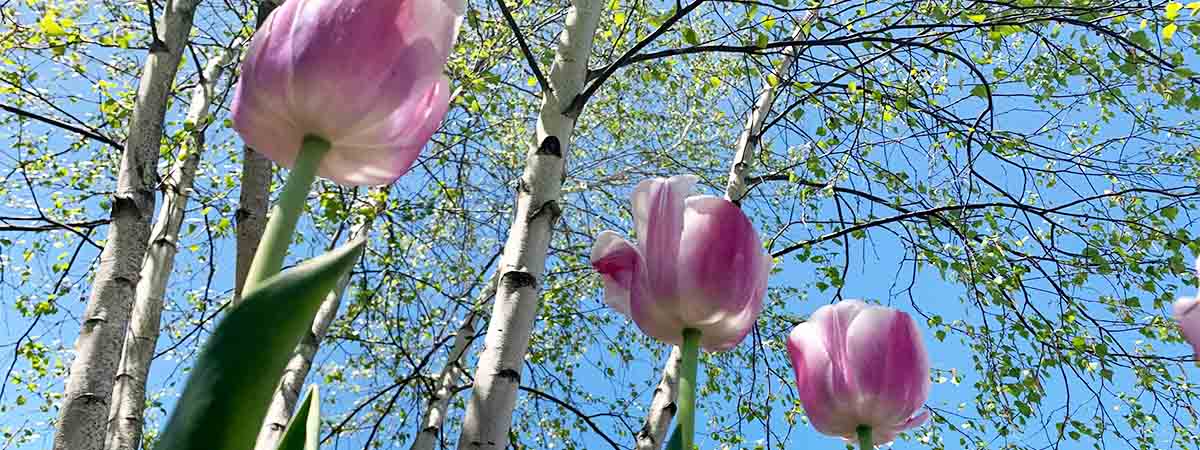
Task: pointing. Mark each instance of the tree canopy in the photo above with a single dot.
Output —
(1018, 175)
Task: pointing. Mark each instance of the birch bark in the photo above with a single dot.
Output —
(435, 412)
(129, 392)
(498, 371)
(84, 411)
(251, 215)
(283, 403)
(662, 405)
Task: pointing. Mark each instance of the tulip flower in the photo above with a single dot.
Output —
(363, 75)
(349, 90)
(697, 276)
(1188, 315)
(862, 371)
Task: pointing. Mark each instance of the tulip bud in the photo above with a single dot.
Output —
(1187, 314)
(860, 365)
(698, 264)
(364, 75)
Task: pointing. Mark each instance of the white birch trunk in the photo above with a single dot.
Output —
(498, 371)
(251, 215)
(435, 412)
(662, 405)
(84, 412)
(129, 392)
(283, 402)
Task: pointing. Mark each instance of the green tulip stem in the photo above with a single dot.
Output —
(864, 438)
(268, 260)
(687, 386)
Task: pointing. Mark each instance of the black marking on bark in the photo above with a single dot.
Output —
(671, 408)
(549, 207)
(124, 204)
(241, 215)
(510, 375)
(516, 279)
(550, 146)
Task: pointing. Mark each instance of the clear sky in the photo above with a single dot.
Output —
(880, 271)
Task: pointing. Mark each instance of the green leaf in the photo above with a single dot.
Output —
(302, 432)
(980, 91)
(977, 18)
(229, 389)
(689, 36)
(1170, 212)
(50, 24)
(676, 440)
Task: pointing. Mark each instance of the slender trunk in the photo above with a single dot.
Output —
(83, 417)
(129, 392)
(283, 403)
(498, 371)
(251, 214)
(435, 411)
(662, 406)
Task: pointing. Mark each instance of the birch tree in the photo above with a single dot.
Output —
(84, 412)
(129, 392)
(283, 403)
(1018, 177)
(254, 196)
(498, 372)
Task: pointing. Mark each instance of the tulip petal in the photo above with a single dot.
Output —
(719, 259)
(619, 262)
(834, 321)
(884, 435)
(1187, 314)
(729, 333)
(365, 75)
(658, 207)
(380, 154)
(353, 60)
(885, 352)
(813, 368)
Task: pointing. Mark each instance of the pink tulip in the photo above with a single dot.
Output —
(698, 264)
(1188, 316)
(859, 364)
(365, 75)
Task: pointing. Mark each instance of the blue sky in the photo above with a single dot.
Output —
(878, 273)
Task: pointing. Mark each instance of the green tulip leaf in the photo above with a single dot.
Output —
(230, 387)
(302, 430)
(676, 440)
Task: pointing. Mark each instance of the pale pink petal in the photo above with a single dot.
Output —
(883, 436)
(619, 263)
(719, 257)
(834, 321)
(729, 333)
(1187, 314)
(381, 154)
(812, 367)
(365, 75)
(885, 351)
(658, 206)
